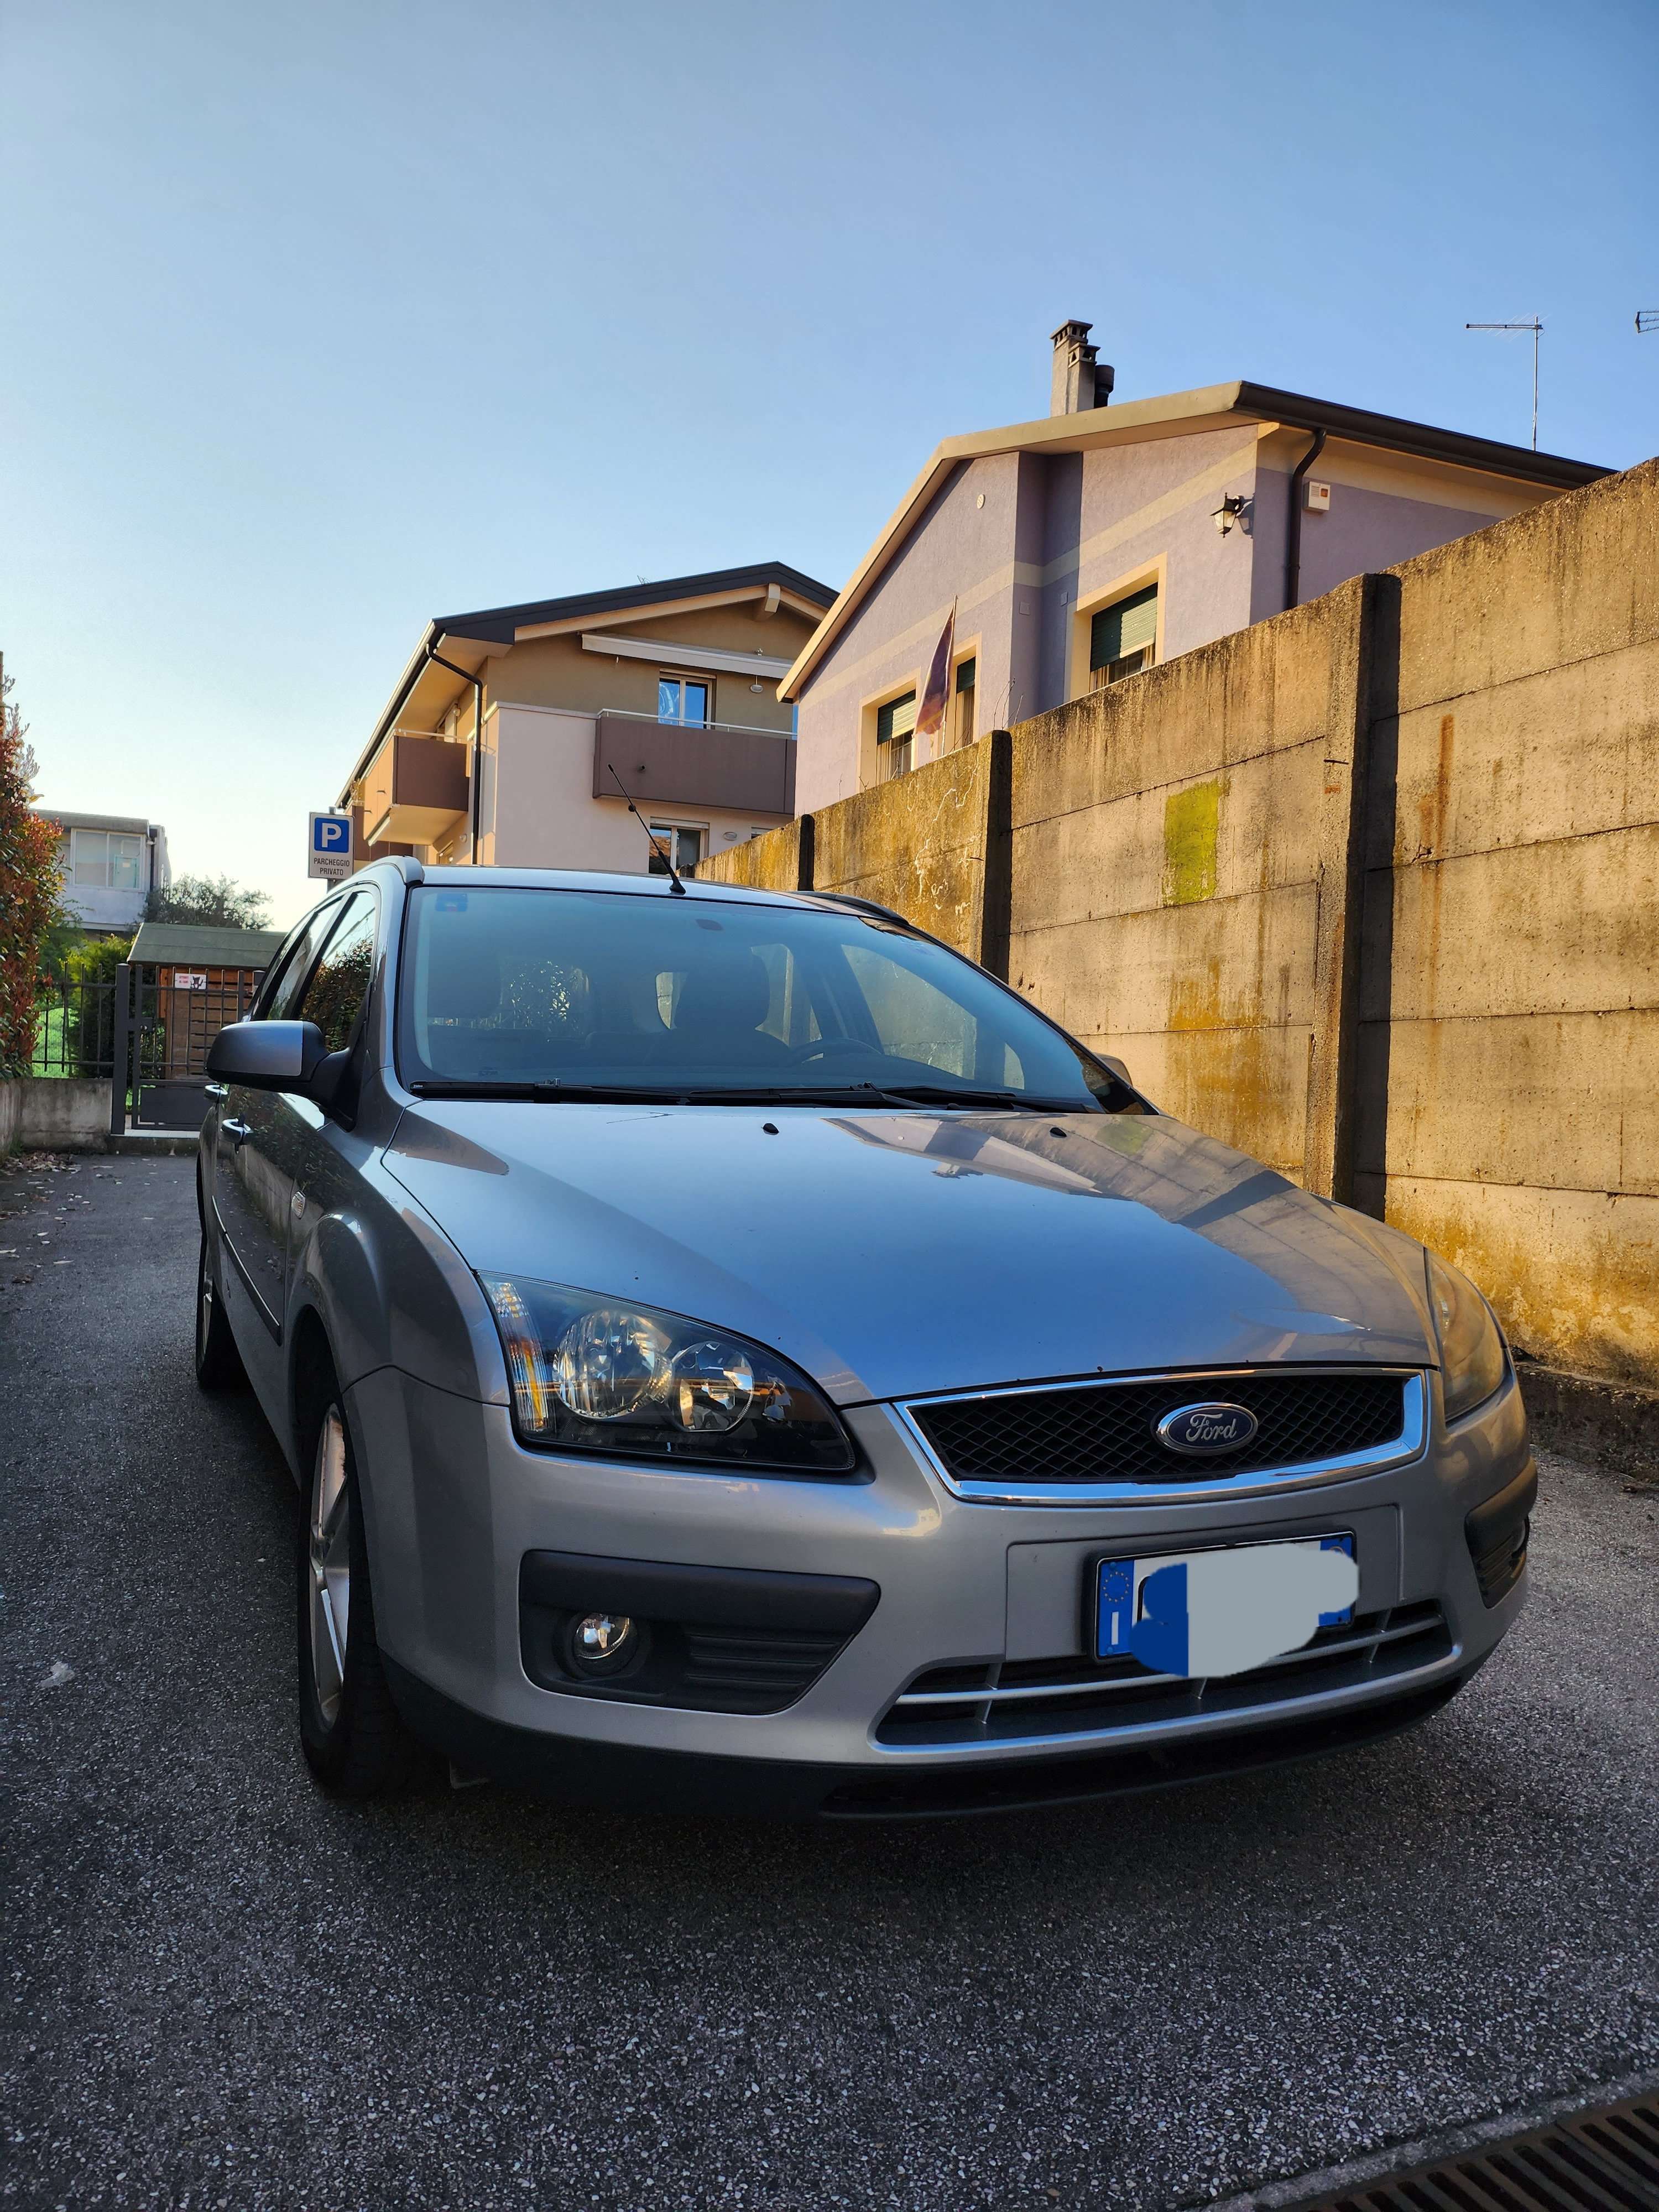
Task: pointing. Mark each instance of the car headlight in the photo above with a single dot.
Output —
(1472, 1356)
(593, 1374)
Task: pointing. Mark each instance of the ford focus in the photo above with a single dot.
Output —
(736, 1353)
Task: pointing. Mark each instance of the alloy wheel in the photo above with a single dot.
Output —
(329, 1548)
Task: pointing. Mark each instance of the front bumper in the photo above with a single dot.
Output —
(454, 1504)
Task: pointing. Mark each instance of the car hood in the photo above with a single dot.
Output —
(892, 1253)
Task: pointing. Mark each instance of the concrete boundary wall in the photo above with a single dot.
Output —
(60, 1114)
(1369, 891)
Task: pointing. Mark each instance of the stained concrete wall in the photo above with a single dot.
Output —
(1508, 1015)
(67, 1113)
(1169, 838)
(1369, 891)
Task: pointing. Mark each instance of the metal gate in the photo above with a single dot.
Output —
(162, 1032)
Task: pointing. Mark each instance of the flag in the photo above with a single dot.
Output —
(936, 698)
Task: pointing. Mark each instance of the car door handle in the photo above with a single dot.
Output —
(237, 1132)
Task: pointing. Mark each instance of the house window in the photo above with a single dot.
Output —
(104, 859)
(896, 725)
(683, 845)
(961, 703)
(683, 698)
(1121, 638)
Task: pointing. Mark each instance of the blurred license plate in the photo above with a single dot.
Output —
(1223, 1610)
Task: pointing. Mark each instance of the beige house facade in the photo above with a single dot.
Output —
(514, 731)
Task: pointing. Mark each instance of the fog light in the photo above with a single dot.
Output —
(601, 1644)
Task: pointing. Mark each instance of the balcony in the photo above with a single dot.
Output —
(718, 764)
(415, 790)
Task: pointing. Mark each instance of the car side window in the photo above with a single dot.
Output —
(334, 994)
(279, 1003)
(280, 970)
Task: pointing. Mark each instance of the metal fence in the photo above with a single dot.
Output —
(148, 1034)
(75, 1030)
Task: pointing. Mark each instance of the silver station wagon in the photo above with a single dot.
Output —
(735, 1354)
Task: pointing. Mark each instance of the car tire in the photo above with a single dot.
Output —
(354, 1738)
(218, 1363)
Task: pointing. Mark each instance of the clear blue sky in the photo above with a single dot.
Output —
(322, 318)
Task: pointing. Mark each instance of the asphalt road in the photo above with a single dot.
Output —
(223, 1990)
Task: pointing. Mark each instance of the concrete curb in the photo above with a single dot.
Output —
(1615, 1424)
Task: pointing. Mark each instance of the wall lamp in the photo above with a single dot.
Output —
(1233, 506)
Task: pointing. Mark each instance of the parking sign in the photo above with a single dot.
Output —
(330, 846)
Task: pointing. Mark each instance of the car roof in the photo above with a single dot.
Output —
(610, 882)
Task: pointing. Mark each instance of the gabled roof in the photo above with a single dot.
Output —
(193, 944)
(1175, 414)
(500, 626)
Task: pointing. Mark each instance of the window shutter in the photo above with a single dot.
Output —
(966, 670)
(1124, 628)
(897, 718)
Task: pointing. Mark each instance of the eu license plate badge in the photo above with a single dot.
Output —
(1224, 1610)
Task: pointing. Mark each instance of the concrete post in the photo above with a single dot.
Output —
(996, 886)
(1333, 1074)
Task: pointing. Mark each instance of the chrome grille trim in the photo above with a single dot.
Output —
(1184, 1484)
(910, 1698)
(967, 1722)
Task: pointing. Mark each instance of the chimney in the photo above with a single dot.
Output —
(1080, 382)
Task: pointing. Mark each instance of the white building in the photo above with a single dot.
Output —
(112, 862)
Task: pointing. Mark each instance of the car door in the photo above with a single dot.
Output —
(252, 1181)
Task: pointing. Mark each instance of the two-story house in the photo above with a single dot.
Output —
(667, 692)
(1078, 550)
(111, 863)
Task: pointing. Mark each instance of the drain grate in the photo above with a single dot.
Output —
(1605, 2162)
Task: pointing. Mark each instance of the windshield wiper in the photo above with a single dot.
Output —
(879, 1094)
(947, 1094)
(553, 1091)
(549, 1093)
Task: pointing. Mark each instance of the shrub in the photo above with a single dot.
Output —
(31, 881)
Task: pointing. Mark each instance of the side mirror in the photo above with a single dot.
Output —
(268, 1055)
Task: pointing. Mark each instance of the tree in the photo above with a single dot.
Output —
(31, 884)
(209, 901)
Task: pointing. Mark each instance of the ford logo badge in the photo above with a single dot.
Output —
(1197, 1431)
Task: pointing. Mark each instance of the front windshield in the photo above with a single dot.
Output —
(516, 990)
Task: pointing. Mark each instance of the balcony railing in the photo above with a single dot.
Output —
(728, 765)
(415, 789)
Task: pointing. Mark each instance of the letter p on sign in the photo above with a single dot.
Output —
(330, 850)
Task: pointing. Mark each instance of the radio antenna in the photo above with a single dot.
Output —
(676, 886)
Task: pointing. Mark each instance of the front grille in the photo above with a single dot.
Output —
(751, 1670)
(1101, 1432)
(1012, 1701)
(1120, 1768)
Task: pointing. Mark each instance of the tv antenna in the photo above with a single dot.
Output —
(1533, 324)
(1647, 319)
